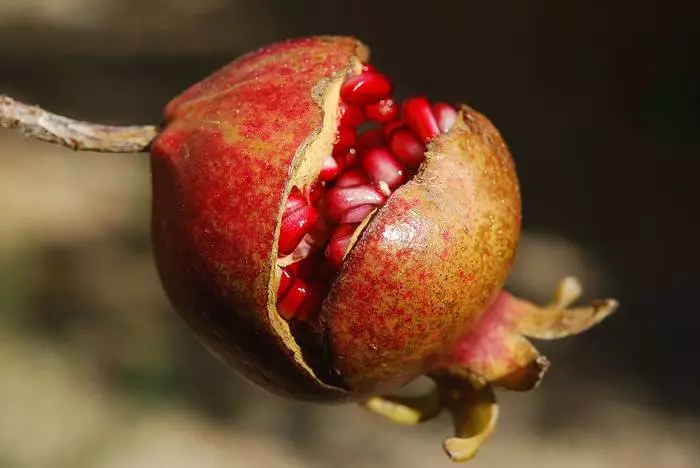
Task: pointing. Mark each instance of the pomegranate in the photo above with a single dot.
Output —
(332, 243)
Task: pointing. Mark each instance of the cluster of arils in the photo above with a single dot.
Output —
(379, 146)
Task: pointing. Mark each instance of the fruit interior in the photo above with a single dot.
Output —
(379, 146)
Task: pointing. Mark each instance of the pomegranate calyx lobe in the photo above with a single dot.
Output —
(231, 148)
(497, 346)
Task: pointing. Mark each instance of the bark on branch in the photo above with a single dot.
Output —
(80, 136)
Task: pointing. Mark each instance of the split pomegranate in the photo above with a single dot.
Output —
(332, 242)
(355, 182)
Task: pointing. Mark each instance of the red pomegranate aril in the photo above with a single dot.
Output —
(344, 230)
(315, 192)
(351, 178)
(345, 157)
(286, 280)
(295, 226)
(341, 161)
(315, 293)
(391, 127)
(295, 192)
(291, 301)
(365, 88)
(370, 139)
(335, 252)
(304, 268)
(407, 148)
(383, 111)
(329, 170)
(351, 115)
(345, 137)
(295, 200)
(381, 165)
(418, 115)
(349, 158)
(339, 242)
(445, 115)
(357, 214)
(294, 267)
(341, 199)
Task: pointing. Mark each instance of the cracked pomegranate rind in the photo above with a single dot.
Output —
(332, 243)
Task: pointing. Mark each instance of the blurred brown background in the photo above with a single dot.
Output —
(600, 104)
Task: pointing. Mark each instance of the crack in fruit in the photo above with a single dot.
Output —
(365, 167)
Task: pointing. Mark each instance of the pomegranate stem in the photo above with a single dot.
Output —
(74, 134)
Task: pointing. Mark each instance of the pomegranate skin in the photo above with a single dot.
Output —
(429, 262)
(220, 168)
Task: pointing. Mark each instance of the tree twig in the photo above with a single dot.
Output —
(80, 136)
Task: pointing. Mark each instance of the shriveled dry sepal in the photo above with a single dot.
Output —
(471, 400)
(556, 319)
(406, 410)
(467, 396)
